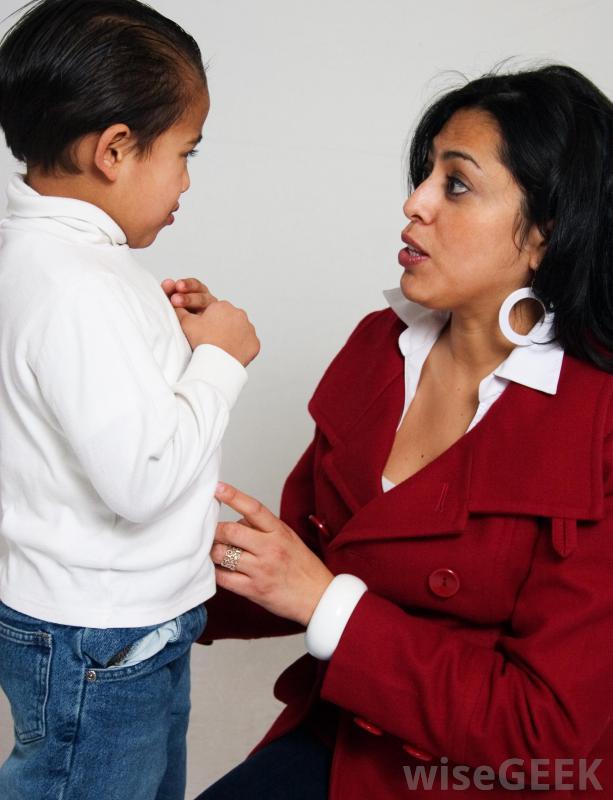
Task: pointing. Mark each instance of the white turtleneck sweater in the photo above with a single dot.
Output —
(110, 427)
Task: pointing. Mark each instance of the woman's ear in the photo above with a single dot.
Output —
(111, 148)
(535, 245)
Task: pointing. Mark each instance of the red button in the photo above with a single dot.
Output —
(420, 755)
(321, 526)
(444, 582)
(368, 726)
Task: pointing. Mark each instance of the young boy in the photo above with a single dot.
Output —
(110, 426)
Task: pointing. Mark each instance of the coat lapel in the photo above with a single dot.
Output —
(432, 502)
(357, 406)
(356, 460)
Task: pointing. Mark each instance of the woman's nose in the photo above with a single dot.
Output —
(420, 204)
(407, 208)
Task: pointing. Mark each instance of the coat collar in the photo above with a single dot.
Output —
(513, 462)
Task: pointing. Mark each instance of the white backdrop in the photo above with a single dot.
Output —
(295, 212)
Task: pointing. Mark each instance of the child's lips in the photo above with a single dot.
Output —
(171, 217)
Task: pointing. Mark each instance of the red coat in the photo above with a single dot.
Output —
(487, 630)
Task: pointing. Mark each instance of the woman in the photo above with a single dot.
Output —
(458, 485)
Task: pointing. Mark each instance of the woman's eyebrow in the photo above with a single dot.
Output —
(448, 155)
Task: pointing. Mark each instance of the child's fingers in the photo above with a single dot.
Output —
(191, 285)
(192, 294)
(182, 313)
(189, 293)
(168, 285)
(194, 302)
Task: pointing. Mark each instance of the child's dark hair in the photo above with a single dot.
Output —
(557, 142)
(73, 67)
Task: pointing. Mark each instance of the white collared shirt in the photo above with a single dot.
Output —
(110, 427)
(537, 366)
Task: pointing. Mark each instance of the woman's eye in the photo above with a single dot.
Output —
(455, 186)
(191, 153)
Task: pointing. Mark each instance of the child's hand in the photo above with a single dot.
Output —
(188, 293)
(223, 325)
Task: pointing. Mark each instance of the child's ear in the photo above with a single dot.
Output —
(113, 145)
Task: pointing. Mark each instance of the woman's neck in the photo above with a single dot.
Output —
(474, 344)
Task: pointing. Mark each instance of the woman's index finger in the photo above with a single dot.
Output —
(251, 509)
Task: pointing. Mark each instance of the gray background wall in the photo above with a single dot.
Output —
(295, 213)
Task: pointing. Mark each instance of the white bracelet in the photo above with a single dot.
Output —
(331, 615)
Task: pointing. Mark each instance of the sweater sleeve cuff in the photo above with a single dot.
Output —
(332, 614)
(219, 369)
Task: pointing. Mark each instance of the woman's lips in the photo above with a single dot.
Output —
(412, 254)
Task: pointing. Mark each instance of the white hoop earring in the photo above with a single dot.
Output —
(536, 334)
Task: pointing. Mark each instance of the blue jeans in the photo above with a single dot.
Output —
(294, 767)
(98, 713)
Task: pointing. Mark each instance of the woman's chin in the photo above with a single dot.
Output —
(410, 290)
(416, 292)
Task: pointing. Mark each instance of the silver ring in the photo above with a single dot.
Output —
(231, 558)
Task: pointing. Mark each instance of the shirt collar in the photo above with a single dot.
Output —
(71, 214)
(537, 366)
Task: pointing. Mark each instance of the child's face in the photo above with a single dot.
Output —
(152, 184)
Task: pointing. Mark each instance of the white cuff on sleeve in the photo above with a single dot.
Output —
(332, 614)
(219, 369)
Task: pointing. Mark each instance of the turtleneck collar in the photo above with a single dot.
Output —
(63, 215)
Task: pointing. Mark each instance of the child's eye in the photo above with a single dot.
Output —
(455, 186)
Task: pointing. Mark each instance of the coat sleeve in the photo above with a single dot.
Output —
(542, 690)
(233, 617)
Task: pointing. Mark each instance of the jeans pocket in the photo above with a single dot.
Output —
(24, 677)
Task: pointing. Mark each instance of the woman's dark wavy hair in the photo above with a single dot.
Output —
(557, 142)
(73, 67)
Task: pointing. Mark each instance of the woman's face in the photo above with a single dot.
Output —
(464, 251)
